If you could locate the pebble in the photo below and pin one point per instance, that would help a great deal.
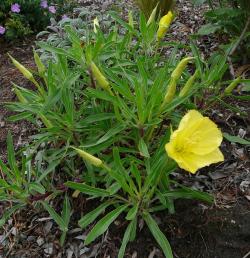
(48, 248)
(40, 241)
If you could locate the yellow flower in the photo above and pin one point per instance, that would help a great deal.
(164, 25)
(195, 144)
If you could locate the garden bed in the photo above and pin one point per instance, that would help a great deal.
(196, 230)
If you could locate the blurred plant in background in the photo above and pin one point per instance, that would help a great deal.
(232, 18)
(20, 18)
(147, 6)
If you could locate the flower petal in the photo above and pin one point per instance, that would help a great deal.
(206, 138)
(191, 118)
(192, 162)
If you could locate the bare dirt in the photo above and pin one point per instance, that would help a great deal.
(22, 51)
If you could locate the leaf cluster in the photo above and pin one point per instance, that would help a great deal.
(104, 94)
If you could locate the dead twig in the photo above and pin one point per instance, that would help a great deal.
(246, 255)
(240, 38)
(234, 48)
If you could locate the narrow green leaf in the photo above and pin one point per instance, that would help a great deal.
(158, 235)
(37, 188)
(103, 224)
(21, 116)
(86, 189)
(66, 212)
(132, 212)
(236, 139)
(8, 213)
(96, 118)
(143, 148)
(113, 131)
(3, 183)
(91, 216)
(6, 170)
(126, 238)
(59, 221)
(11, 158)
(136, 173)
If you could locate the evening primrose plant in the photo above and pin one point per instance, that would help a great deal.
(142, 186)
(115, 118)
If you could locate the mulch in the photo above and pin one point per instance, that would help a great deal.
(195, 231)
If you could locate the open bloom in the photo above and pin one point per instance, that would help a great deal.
(52, 9)
(164, 24)
(44, 4)
(15, 8)
(2, 30)
(64, 17)
(195, 144)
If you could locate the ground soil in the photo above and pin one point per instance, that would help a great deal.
(195, 231)
(22, 51)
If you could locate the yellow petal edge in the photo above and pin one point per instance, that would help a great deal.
(195, 144)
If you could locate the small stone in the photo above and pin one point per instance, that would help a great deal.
(40, 241)
(49, 248)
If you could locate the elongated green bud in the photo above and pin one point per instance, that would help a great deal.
(88, 157)
(130, 19)
(40, 66)
(170, 91)
(20, 96)
(26, 73)
(152, 15)
(96, 24)
(232, 85)
(176, 74)
(46, 121)
(188, 84)
(100, 78)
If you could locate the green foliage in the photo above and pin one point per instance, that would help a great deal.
(230, 18)
(63, 220)
(18, 182)
(147, 6)
(17, 27)
(32, 17)
(122, 127)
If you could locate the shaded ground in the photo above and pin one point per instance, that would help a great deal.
(22, 51)
(195, 231)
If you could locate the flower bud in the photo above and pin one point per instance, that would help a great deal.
(40, 66)
(20, 96)
(88, 157)
(96, 24)
(152, 15)
(176, 74)
(164, 24)
(100, 78)
(130, 19)
(232, 85)
(188, 84)
(26, 73)
(170, 91)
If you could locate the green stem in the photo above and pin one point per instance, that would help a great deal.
(152, 191)
(211, 4)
